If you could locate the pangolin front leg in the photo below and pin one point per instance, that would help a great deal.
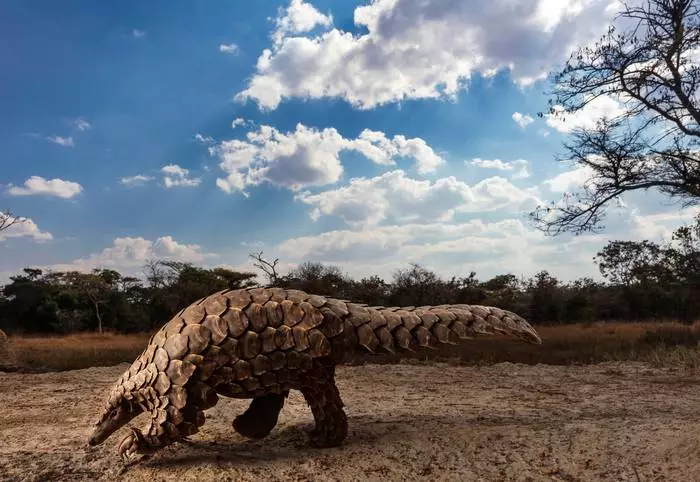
(321, 393)
(181, 418)
(166, 427)
(261, 416)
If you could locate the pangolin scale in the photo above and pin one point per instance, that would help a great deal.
(260, 343)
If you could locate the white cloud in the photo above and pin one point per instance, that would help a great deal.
(239, 121)
(229, 49)
(25, 228)
(128, 253)
(137, 180)
(377, 147)
(659, 225)
(519, 166)
(523, 120)
(37, 185)
(298, 17)
(62, 141)
(203, 139)
(176, 176)
(81, 124)
(418, 49)
(305, 157)
(569, 181)
(394, 197)
(136, 33)
(587, 117)
(309, 157)
(490, 248)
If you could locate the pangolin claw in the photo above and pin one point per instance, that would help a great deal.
(132, 444)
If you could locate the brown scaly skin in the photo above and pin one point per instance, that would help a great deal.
(260, 343)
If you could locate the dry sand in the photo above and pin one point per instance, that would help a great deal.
(612, 421)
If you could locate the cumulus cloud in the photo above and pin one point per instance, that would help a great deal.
(309, 157)
(658, 226)
(37, 185)
(176, 176)
(519, 167)
(377, 147)
(136, 33)
(61, 141)
(239, 121)
(128, 253)
(24, 228)
(417, 49)
(586, 118)
(523, 120)
(395, 197)
(298, 17)
(507, 246)
(229, 49)
(569, 181)
(137, 180)
(488, 247)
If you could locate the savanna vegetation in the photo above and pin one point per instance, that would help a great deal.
(648, 299)
(647, 62)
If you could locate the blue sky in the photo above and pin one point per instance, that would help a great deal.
(368, 135)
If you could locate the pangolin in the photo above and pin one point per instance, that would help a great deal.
(260, 343)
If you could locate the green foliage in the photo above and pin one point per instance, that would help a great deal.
(645, 281)
(66, 302)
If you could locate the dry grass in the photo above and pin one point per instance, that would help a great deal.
(658, 343)
(76, 351)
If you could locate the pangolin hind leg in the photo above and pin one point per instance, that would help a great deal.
(261, 416)
(321, 393)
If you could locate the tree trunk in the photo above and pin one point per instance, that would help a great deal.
(99, 317)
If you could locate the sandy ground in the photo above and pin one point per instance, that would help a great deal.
(613, 421)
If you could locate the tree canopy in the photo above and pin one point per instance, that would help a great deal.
(648, 62)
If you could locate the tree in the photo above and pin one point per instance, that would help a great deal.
(315, 277)
(267, 267)
(545, 298)
(372, 290)
(650, 68)
(684, 257)
(417, 285)
(95, 287)
(7, 220)
(633, 262)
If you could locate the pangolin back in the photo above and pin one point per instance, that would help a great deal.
(239, 335)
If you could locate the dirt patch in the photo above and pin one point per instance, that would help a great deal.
(612, 421)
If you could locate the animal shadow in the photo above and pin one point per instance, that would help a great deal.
(291, 442)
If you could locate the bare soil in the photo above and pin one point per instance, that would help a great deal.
(621, 421)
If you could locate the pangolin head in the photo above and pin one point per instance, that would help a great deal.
(118, 412)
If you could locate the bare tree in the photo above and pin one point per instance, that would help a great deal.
(7, 220)
(267, 267)
(653, 69)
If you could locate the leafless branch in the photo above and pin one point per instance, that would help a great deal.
(654, 71)
(7, 220)
(267, 267)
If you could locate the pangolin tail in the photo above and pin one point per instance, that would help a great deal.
(392, 330)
